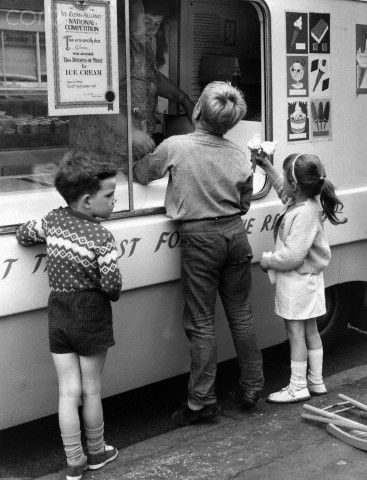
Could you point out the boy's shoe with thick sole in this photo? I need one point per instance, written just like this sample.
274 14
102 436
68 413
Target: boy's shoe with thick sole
75 472
99 460
247 399
289 395
317 388
186 416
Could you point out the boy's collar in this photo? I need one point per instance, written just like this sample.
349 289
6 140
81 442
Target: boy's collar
77 214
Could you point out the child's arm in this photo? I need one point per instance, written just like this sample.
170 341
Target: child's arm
32 232
110 275
153 166
246 195
275 178
296 246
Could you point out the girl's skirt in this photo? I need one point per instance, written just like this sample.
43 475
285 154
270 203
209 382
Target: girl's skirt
299 296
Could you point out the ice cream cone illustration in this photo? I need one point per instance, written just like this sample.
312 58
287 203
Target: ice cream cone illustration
315 117
321 71
361 64
326 114
297 28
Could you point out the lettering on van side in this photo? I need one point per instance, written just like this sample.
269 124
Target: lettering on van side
9 262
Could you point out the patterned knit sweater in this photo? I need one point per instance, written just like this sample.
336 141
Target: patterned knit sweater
81 253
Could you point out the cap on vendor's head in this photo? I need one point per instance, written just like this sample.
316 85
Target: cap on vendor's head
220 107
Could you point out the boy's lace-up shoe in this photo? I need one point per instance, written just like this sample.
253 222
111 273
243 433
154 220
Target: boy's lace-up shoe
186 416
247 399
289 395
316 388
75 472
99 460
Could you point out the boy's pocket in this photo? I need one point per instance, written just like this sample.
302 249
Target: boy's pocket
241 251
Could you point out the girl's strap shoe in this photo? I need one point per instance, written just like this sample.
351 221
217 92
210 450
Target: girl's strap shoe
289 395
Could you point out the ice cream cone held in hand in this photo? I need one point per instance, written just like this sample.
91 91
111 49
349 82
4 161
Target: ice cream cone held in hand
260 149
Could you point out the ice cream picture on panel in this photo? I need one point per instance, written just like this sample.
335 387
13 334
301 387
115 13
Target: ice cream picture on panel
323 67
297 28
296 32
361 59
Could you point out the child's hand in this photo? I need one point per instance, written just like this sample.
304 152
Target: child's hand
264 265
262 159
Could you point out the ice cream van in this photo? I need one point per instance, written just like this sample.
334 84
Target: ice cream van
301 65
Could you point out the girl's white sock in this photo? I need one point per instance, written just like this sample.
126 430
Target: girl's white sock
298 375
315 358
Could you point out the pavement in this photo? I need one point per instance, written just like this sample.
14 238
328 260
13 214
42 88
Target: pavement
271 442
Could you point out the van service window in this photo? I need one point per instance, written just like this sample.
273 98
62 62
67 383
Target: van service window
175 48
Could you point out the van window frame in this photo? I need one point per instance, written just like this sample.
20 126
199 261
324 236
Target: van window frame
266 96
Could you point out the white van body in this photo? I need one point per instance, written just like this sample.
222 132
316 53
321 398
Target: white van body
150 342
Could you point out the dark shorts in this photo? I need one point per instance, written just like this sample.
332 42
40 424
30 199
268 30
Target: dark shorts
80 322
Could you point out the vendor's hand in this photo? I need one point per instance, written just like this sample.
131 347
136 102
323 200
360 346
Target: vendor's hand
264 265
142 144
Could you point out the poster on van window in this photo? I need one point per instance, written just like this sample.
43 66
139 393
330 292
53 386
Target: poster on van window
319 76
297 76
82 57
320 118
361 58
319 34
297 32
298 120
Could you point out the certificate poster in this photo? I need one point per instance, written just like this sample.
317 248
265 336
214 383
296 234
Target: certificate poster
361 58
82 57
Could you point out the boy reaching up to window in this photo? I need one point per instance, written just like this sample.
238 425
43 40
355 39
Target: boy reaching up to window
84 277
209 188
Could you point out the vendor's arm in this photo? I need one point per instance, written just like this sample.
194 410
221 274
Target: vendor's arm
154 165
32 232
168 89
296 246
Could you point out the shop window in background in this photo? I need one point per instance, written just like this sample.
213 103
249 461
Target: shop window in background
24 121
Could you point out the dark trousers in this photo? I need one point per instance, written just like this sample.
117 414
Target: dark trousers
216 256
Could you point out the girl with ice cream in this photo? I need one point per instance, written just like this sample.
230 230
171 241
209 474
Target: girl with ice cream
300 256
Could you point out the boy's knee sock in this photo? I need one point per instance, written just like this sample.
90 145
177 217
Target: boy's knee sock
298 375
315 358
95 437
73 449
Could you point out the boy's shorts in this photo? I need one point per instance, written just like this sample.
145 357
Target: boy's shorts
80 322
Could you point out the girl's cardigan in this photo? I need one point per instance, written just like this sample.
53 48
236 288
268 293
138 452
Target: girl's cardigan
305 247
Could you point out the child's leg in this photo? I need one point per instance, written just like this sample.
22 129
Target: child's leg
315 358
297 389
68 373
91 370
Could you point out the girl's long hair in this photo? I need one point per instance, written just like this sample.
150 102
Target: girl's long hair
310 175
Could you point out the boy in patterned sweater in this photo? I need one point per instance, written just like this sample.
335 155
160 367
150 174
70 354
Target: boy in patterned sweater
84 277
